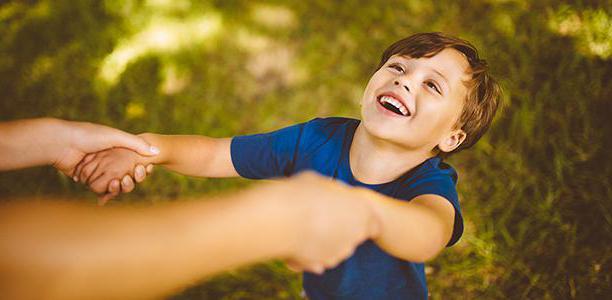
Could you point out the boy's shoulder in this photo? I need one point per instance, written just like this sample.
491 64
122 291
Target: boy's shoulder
330 122
325 134
436 165
433 177
432 172
330 127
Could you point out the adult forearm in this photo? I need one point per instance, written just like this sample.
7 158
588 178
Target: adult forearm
31 142
69 251
193 155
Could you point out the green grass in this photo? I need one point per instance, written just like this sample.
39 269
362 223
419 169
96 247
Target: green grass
535 191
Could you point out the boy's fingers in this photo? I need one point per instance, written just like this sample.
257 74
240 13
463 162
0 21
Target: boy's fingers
100 185
87 171
140 173
99 175
105 198
113 190
89 157
127 184
74 173
149 168
113 187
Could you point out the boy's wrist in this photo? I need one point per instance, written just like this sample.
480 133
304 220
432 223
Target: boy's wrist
375 202
154 140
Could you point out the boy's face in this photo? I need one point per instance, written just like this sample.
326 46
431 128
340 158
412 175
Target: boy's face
415 103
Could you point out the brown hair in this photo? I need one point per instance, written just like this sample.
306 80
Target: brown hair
484 94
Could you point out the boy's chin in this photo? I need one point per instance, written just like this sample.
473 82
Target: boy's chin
384 131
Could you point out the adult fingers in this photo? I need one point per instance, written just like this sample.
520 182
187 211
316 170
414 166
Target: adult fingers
346 253
316 268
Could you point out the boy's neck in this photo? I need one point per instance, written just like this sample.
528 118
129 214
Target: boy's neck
375 161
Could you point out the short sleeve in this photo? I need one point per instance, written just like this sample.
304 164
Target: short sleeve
442 185
266 155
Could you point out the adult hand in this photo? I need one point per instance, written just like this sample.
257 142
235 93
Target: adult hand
335 219
48 141
80 138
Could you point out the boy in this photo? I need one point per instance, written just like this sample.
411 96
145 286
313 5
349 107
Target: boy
431 96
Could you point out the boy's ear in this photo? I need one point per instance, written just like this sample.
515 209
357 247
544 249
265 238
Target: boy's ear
452 141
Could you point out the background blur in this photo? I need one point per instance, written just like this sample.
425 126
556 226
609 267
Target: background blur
536 191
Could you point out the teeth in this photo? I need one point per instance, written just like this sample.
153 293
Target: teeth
395 103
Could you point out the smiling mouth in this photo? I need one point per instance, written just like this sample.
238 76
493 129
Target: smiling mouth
393 105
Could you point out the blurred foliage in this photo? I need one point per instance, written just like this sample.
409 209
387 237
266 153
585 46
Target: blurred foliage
536 191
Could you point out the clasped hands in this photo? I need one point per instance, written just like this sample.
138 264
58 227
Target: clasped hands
325 220
112 171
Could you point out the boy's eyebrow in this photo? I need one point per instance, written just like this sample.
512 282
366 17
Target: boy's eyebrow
447 83
435 71
443 77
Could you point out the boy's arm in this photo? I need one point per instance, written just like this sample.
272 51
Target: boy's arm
186 154
414 231
193 155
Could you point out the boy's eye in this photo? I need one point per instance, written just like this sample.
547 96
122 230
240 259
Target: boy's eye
433 86
397 68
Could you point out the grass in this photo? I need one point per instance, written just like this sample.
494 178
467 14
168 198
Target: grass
535 191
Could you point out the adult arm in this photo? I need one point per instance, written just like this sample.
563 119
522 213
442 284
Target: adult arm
416 230
57 250
48 141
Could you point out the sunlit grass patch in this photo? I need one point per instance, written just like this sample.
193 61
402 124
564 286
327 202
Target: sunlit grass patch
163 35
592 28
535 191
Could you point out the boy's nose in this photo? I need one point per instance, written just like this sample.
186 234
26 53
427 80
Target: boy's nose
405 86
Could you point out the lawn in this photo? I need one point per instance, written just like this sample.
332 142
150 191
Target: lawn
536 191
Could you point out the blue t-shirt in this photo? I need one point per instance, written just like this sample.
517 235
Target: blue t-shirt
323 145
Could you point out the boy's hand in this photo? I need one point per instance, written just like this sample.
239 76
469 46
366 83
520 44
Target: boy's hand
126 184
112 171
